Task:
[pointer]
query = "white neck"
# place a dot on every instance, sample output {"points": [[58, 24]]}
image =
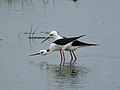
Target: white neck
{"points": [[52, 48]]}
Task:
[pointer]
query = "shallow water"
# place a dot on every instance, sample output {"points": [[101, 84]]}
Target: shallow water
{"points": [[97, 68]]}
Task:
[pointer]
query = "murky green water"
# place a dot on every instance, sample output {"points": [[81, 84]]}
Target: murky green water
{"points": [[97, 68]]}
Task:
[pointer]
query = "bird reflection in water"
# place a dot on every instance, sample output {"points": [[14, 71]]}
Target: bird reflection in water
{"points": [[66, 76]]}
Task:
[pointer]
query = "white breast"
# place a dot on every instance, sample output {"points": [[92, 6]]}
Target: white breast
{"points": [[72, 48]]}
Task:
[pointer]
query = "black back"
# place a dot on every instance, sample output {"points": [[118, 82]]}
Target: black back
{"points": [[65, 41]]}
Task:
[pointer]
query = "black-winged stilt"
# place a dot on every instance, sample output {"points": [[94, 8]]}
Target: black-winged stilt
{"points": [[71, 47], [59, 44]]}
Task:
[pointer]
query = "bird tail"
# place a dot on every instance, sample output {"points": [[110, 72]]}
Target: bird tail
{"points": [[92, 44], [79, 36], [75, 38]]}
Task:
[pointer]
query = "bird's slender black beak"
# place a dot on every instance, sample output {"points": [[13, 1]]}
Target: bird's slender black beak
{"points": [[45, 39], [35, 54]]}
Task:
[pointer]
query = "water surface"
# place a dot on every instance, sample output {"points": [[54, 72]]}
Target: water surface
{"points": [[97, 68]]}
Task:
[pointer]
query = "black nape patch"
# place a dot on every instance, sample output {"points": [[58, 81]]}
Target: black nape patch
{"points": [[48, 50]]}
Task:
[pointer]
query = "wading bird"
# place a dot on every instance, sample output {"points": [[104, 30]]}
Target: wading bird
{"points": [[59, 44], [71, 47]]}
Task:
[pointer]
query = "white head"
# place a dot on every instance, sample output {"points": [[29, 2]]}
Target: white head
{"points": [[54, 35], [44, 52]]}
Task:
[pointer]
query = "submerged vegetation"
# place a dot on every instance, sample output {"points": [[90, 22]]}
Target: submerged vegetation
{"points": [[22, 2], [13, 2]]}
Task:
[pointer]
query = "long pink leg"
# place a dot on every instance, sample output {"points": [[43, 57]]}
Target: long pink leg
{"points": [[61, 57], [71, 57], [75, 58]]}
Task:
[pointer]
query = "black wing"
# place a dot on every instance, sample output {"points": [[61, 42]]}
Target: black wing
{"points": [[65, 41], [79, 43]]}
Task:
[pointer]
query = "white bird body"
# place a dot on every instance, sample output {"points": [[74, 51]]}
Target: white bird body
{"points": [[71, 47], [63, 43], [53, 47], [56, 36], [56, 45]]}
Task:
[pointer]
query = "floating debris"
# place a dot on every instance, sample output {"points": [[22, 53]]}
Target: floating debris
{"points": [[31, 33], [36, 37], [19, 35], [44, 32], [48, 32], [75, 0]]}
